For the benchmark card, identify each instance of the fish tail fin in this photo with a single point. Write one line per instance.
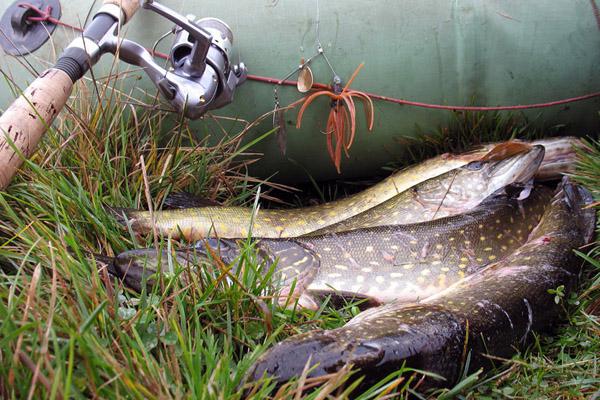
(560, 157)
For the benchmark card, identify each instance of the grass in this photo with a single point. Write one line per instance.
(69, 331)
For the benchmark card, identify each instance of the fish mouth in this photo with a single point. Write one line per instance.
(137, 267)
(318, 352)
(519, 168)
(579, 200)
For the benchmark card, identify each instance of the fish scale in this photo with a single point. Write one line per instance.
(454, 192)
(491, 312)
(235, 222)
(405, 262)
(409, 262)
(393, 261)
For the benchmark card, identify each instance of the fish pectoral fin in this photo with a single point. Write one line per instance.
(515, 190)
(295, 267)
(306, 301)
(296, 299)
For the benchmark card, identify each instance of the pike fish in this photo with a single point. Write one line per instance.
(234, 222)
(491, 312)
(381, 264)
(449, 194)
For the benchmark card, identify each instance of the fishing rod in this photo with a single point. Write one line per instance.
(200, 78)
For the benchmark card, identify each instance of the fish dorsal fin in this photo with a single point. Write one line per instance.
(497, 152)
(506, 149)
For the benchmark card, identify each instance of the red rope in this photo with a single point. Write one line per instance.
(437, 106)
(45, 16)
(483, 108)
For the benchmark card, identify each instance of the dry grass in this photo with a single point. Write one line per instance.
(68, 331)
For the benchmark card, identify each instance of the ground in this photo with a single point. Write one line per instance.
(68, 330)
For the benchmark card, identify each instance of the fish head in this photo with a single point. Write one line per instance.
(137, 267)
(579, 200)
(151, 259)
(468, 186)
(572, 203)
(516, 169)
(227, 250)
(319, 352)
(390, 337)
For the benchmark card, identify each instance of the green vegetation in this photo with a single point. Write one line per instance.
(68, 330)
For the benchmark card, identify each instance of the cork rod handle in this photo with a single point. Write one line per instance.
(129, 7)
(24, 123)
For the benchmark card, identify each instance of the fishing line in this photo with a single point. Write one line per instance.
(318, 24)
(237, 28)
(44, 16)
(155, 45)
(320, 48)
(278, 119)
(160, 39)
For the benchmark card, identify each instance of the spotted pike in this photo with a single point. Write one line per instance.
(492, 312)
(449, 194)
(405, 262)
(234, 222)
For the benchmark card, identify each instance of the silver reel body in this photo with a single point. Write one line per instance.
(201, 76)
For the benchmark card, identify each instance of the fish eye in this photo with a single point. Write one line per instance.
(475, 165)
(213, 243)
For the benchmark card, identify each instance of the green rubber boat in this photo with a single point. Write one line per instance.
(446, 52)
